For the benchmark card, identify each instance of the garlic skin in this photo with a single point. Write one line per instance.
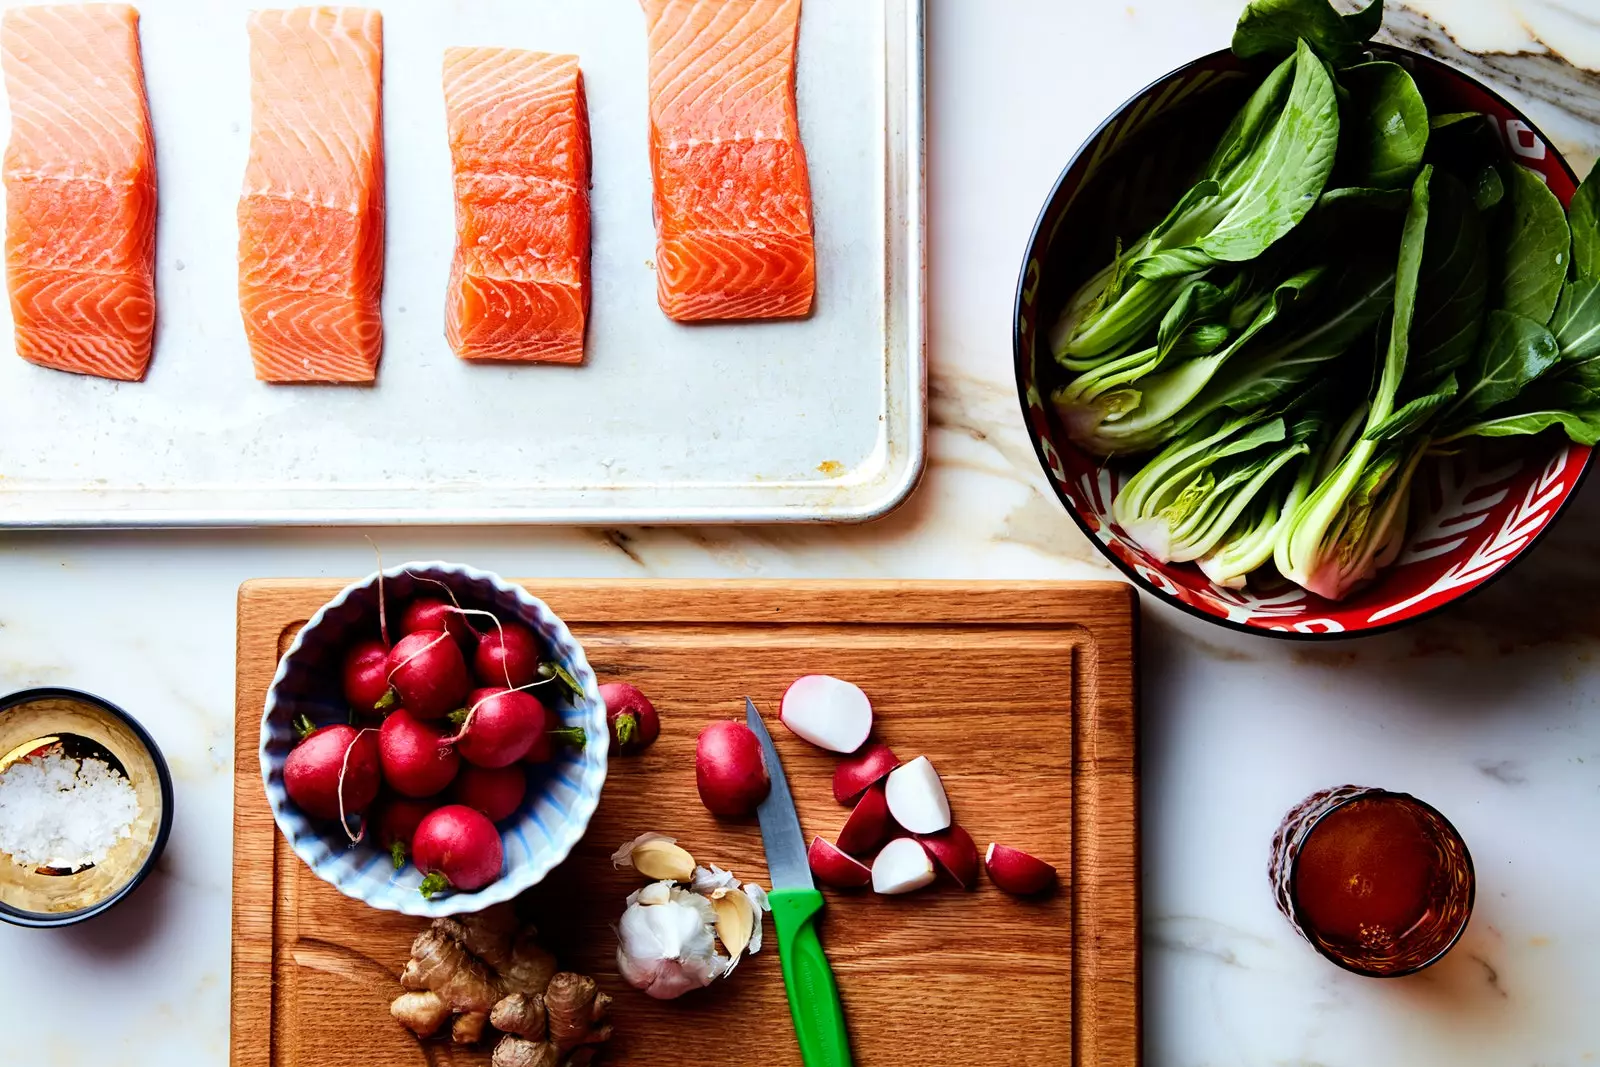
(655, 856)
(667, 947)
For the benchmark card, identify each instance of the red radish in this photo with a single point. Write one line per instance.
(955, 853)
(833, 867)
(830, 713)
(413, 761)
(902, 867)
(497, 791)
(429, 674)
(916, 797)
(313, 772)
(457, 848)
(500, 726)
(1017, 872)
(397, 822)
(507, 655)
(868, 825)
(728, 769)
(366, 677)
(633, 719)
(431, 613)
(852, 777)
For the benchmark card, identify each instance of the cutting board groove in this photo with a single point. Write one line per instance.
(1022, 693)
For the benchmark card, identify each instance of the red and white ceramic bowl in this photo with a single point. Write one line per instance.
(1472, 515)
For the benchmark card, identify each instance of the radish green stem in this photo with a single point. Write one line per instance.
(433, 883)
(397, 854)
(572, 735)
(626, 727)
(303, 727)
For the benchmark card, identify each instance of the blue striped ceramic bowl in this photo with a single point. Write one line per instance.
(561, 795)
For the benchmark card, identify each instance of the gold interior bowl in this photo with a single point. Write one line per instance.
(86, 726)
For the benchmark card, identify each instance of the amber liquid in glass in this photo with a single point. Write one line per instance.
(1378, 882)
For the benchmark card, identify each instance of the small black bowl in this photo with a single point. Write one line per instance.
(87, 725)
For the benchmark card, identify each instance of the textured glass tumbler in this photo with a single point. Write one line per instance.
(1378, 882)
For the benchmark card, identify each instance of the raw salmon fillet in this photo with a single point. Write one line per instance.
(519, 143)
(80, 177)
(311, 217)
(732, 196)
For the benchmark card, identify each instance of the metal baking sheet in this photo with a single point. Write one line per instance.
(821, 419)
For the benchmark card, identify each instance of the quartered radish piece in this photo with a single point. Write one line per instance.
(1017, 872)
(830, 713)
(902, 867)
(916, 797)
(833, 867)
(854, 775)
(868, 825)
(954, 851)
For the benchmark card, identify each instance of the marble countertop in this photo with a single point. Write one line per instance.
(1487, 712)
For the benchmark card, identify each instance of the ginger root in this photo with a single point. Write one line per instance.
(515, 1051)
(478, 971)
(443, 965)
(521, 1015)
(421, 1013)
(575, 1011)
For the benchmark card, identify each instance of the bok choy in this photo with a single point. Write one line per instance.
(1350, 287)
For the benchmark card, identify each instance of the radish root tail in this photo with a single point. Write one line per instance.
(451, 593)
(344, 767)
(465, 721)
(390, 676)
(383, 614)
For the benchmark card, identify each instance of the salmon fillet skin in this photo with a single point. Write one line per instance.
(311, 214)
(519, 148)
(732, 194)
(80, 179)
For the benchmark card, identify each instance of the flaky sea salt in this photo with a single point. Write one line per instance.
(56, 811)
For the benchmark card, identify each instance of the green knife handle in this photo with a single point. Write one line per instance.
(813, 995)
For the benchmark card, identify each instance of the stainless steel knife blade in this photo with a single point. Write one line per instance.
(785, 842)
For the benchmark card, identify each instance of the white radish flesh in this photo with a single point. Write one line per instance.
(916, 797)
(829, 712)
(902, 867)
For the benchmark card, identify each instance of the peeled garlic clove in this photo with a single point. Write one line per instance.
(736, 920)
(656, 856)
(654, 893)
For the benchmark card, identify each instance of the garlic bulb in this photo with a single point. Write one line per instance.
(667, 943)
(667, 940)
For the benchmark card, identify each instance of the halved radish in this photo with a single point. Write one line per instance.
(833, 867)
(955, 853)
(902, 867)
(1017, 872)
(916, 797)
(852, 777)
(868, 825)
(829, 712)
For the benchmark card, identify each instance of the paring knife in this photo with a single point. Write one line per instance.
(813, 994)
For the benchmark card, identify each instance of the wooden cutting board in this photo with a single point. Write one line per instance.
(1023, 696)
